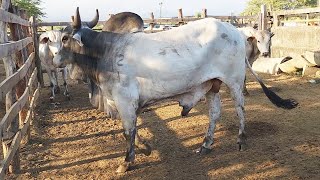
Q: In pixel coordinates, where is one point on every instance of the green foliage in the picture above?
(253, 6)
(31, 6)
(197, 15)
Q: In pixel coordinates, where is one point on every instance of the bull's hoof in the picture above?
(68, 97)
(241, 147)
(203, 151)
(146, 150)
(57, 90)
(123, 167)
(185, 111)
(245, 93)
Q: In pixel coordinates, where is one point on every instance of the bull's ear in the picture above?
(77, 37)
(251, 38)
(44, 38)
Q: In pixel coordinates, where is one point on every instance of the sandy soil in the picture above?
(74, 141)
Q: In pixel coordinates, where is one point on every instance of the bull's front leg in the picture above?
(65, 77)
(53, 83)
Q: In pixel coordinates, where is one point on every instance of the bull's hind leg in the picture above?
(142, 145)
(238, 97)
(55, 79)
(245, 90)
(66, 90)
(214, 103)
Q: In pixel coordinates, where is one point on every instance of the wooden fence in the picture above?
(20, 89)
(239, 21)
(307, 17)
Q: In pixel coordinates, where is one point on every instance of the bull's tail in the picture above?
(273, 97)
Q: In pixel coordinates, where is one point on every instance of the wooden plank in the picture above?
(11, 152)
(34, 98)
(11, 81)
(298, 11)
(36, 50)
(16, 142)
(41, 24)
(12, 18)
(13, 111)
(7, 49)
(33, 77)
(148, 21)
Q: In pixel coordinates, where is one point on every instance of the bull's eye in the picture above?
(65, 38)
(258, 41)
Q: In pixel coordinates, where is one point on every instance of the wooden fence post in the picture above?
(180, 17)
(10, 98)
(263, 18)
(17, 34)
(152, 21)
(204, 13)
(36, 50)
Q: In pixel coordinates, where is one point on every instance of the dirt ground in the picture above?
(72, 140)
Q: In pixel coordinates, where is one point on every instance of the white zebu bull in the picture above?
(124, 22)
(49, 44)
(257, 43)
(136, 70)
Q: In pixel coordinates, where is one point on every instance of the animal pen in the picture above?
(21, 88)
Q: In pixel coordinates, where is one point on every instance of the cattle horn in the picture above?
(94, 22)
(77, 20)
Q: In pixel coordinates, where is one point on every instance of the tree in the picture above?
(31, 6)
(253, 6)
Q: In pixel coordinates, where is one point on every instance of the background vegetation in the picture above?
(31, 6)
(253, 6)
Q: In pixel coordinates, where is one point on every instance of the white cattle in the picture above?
(49, 44)
(257, 43)
(185, 63)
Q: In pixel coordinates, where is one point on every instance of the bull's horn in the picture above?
(77, 20)
(94, 22)
(72, 18)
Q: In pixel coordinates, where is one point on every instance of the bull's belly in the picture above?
(156, 90)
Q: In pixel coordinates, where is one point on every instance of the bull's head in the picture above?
(262, 39)
(71, 39)
(52, 39)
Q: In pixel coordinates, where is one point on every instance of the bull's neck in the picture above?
(97, 44)
(96, 47)
(89, 65)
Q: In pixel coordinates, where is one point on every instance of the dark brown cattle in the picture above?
(125, 22)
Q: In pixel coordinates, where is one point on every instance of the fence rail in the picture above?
(302, 16)
(21, 83)
(179, 20)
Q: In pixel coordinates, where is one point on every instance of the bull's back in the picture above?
(126, 22)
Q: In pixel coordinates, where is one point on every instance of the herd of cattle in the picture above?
(128, 70)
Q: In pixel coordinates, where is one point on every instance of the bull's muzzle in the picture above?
(265, 54)
(57, 61)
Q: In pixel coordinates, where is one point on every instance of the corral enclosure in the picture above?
(69, 141)
(299, 37)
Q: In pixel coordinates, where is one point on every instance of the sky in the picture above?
(61, 10)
